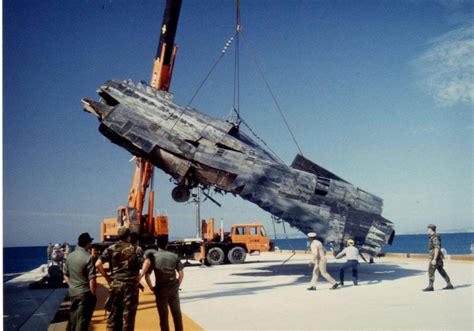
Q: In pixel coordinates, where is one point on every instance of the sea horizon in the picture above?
(20, 259)
(300, 236)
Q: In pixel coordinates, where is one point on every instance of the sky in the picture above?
(379, 92)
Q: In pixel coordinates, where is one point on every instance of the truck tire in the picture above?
(215, 256)
(237, 255)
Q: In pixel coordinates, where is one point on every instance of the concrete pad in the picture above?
(26, 309)
(263, 294)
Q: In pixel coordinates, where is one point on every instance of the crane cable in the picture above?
(241, 120)
(275, 101)
(236, 97)
(216, 62)
(279, 220)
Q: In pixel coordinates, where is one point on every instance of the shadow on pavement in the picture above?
(367, 272)
(241, 282)
(371, 273)
(462, 286)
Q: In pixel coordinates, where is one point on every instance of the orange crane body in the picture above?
(213, 247)
(149, 227)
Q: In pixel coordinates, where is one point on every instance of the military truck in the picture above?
(219, 247)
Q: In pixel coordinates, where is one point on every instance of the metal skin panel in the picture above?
(197, 150)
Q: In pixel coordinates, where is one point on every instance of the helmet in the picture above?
(432, 227)
(350, 242)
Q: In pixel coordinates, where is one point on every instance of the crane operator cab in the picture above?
(128, 216)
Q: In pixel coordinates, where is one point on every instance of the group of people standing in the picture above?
(353, 255)
(128, 264)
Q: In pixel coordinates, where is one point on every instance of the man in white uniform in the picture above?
(319, 261)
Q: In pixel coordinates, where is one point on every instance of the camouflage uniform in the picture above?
(435, 242)
(125, 263)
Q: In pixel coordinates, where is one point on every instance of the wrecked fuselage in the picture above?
(197, 150)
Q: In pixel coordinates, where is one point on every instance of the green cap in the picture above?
(432, 227)
(123, 230)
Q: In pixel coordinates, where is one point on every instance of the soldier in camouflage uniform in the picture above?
(124, 262)
(436, 260)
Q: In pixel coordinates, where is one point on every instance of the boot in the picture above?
(312, 288)
(429, 288)
(449, 286)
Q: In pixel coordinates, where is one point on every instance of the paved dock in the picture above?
(267, 294)
(263, 294)
(25, 309)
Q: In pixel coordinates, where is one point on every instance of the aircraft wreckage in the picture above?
(197, 150)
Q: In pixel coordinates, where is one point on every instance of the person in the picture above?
(352, 255)
(123, 296)
(66, 249)
(135, 241)
(80, 275)
(436, 260)
(50, 251)
(57, 256)
(319, 263)
(165, 265)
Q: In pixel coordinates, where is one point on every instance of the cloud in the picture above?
(446, 68)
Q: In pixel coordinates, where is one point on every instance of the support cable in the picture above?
(236, 97)
(216, 62)
(275, 101)
(241, 120)
(279, 220)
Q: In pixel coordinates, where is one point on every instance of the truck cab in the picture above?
(252, 236)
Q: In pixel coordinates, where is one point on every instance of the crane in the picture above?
(151, 228)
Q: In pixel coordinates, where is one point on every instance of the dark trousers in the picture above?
(354, 264)
(82, 307)
(167, 295)
(440, 267)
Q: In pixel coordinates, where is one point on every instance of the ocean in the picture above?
(22, 259)
(454, 243)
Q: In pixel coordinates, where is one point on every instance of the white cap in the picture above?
(57, 246)
(312, 235)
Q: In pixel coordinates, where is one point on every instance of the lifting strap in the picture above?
(279, 220)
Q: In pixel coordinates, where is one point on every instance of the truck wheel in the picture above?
(215, 256)
(237, 255)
